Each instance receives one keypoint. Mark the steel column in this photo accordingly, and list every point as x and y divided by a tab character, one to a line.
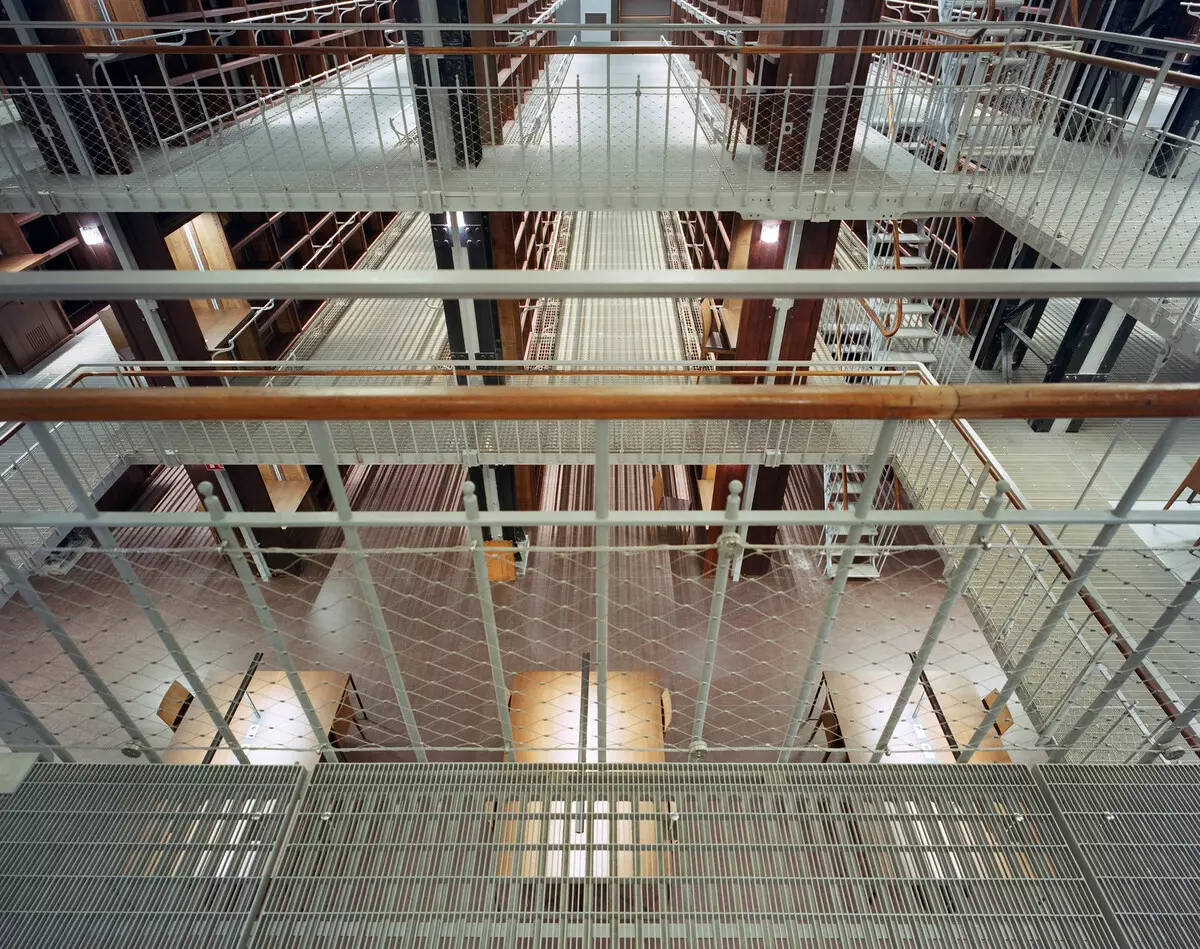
958	583
1153	635
603	579
862	508
488	613
1071	591
323	443
725	544
262	611
133	582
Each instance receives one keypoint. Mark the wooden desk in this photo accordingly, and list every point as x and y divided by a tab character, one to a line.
283	735
861	702
544	711
962	710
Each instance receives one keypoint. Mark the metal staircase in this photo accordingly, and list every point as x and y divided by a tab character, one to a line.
843	484
904	329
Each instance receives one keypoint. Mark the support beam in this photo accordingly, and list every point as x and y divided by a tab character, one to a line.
988	247
1089	349
758	336
986	348
808	134
141	237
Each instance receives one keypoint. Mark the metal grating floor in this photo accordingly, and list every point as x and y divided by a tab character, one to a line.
123	855
675	855
1139	831
627	331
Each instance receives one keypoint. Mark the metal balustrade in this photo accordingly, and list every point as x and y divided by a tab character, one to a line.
1078	618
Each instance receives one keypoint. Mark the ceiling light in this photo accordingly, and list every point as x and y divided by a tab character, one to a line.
92	235
770	232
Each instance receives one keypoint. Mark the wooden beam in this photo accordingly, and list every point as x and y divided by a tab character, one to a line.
568	403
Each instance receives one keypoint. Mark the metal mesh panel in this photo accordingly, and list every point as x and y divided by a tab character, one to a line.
1138	831
676	855
115	855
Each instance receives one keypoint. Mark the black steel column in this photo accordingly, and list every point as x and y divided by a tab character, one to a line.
471	229
455	74
1076	346
986	348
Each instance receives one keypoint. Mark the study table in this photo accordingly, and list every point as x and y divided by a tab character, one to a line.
282	734
544	708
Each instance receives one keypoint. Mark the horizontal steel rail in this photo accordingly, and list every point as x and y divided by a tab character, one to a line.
521	284
213	403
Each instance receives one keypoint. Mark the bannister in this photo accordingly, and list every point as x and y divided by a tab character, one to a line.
608	402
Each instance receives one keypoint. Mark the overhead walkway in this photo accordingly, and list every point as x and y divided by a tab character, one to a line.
624	331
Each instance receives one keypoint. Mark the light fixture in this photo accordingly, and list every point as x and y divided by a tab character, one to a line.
770	232
92	235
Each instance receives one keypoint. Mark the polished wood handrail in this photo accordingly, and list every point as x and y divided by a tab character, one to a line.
572	403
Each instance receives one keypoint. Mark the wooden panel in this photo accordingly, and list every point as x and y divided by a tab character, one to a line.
175	704
119	11
962	710
201	245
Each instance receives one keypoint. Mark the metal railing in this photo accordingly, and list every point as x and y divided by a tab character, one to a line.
384	567
991	572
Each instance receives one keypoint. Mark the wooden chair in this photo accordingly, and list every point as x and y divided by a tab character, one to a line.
175	704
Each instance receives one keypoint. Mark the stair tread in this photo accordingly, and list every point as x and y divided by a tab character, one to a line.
910	306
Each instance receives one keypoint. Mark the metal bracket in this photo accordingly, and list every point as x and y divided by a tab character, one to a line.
698	750
771	458
470	457
820	207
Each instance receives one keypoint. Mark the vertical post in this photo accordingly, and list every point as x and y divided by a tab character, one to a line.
1110	203
487	611
15	10
1158	741
602	585
266	620
14	702
132	581
962	575
725	545
323	443
1069	592
72	651
1135	658
862	509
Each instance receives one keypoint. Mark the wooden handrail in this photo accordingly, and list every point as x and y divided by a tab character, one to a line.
572	403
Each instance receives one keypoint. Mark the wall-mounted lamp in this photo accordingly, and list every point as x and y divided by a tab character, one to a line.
770	232
92	235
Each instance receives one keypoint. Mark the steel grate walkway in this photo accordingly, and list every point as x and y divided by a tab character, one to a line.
677	855
1139	830
115	856
699	855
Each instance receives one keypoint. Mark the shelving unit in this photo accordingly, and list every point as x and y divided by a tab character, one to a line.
30	330
294	240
